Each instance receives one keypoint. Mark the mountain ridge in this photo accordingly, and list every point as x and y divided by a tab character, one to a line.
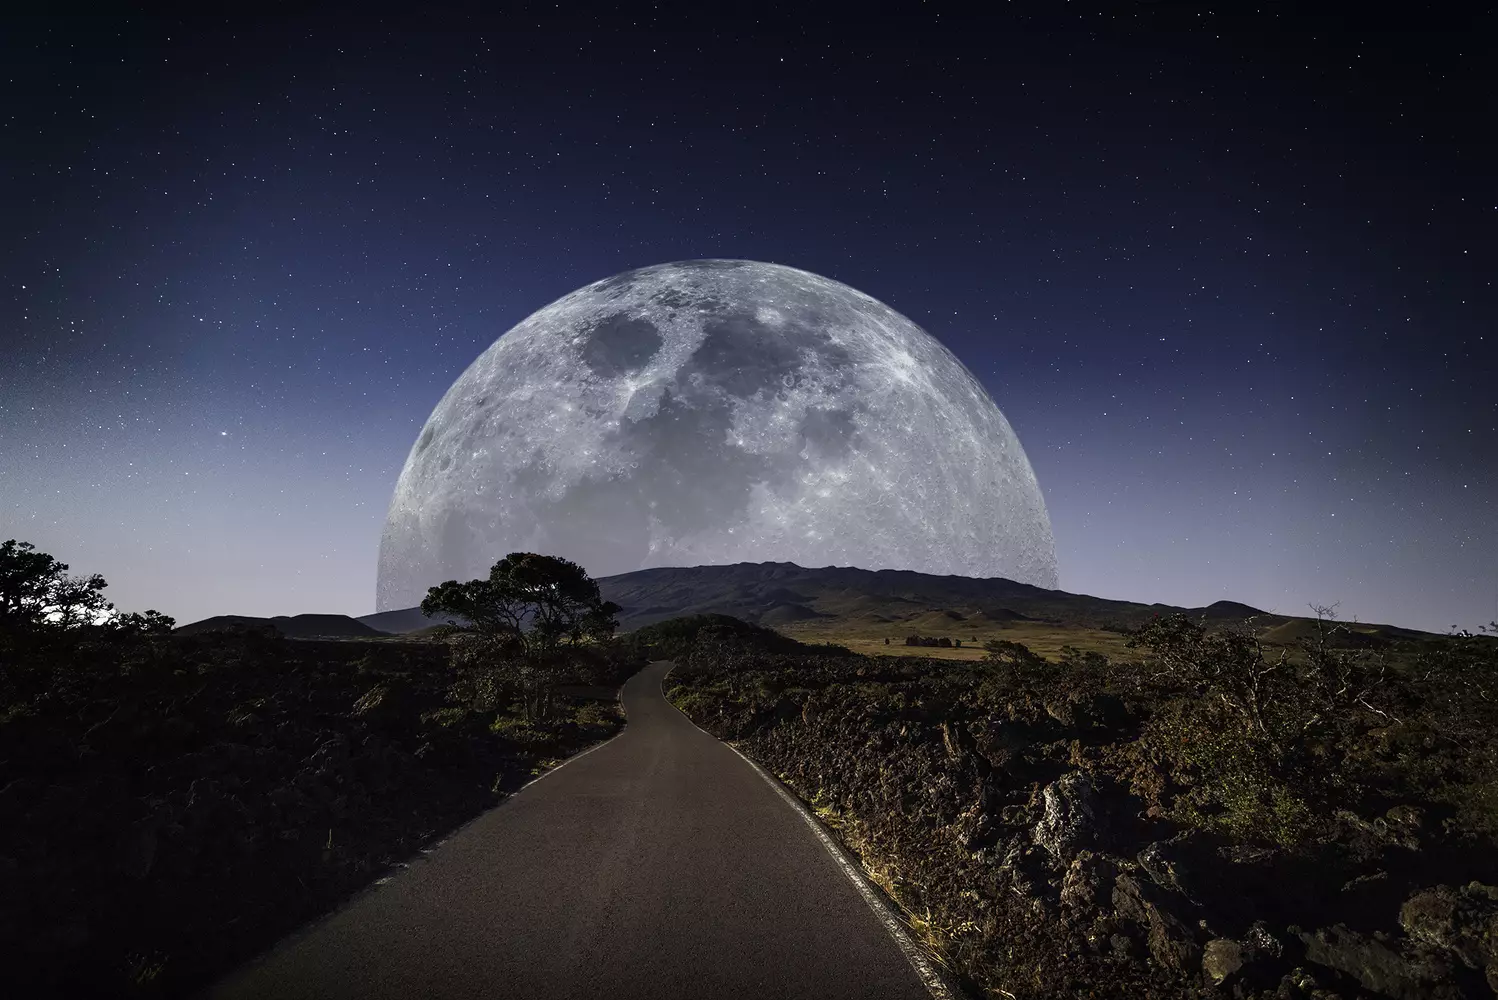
303	626
779	593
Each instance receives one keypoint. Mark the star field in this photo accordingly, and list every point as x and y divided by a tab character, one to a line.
1228	276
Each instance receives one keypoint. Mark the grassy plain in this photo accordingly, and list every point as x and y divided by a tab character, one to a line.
1044	638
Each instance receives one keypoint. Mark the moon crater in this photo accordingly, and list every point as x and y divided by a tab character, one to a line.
715	411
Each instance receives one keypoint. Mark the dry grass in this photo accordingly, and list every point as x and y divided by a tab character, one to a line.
1044	638
879	868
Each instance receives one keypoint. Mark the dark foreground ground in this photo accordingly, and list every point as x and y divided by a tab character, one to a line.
169	806
1207	820
659	865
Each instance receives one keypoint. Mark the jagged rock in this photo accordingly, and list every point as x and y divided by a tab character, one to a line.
973	828
1261	943
138	852
334	751
1245	854
1404	825
951	740
1367	840
1008	747
1375	965
1164	865
1108	711
15	795
73	933
1088	881
976	826
61	804
1221	958
1071	819
1065	711
248	721
373	701
1192	863
1170	940
1014	816
1298	983
1461	921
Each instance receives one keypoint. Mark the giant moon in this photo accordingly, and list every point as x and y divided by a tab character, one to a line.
715	411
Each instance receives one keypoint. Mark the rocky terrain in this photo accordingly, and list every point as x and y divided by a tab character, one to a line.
173	804
1213	820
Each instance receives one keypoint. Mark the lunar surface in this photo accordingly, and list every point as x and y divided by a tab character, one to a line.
715	411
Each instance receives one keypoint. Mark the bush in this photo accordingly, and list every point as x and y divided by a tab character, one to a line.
674	638
915	639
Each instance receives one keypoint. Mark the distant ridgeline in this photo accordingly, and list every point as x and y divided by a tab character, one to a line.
673	638
777	594
291	626
780	594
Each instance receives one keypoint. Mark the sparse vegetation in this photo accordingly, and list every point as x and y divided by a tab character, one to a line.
174	803
36	592
1211	815
1171	809
677	636
941	641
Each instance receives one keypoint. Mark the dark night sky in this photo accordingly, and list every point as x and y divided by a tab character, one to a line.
1230	278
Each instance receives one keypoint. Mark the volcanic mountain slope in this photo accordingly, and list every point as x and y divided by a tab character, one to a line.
291	626
399	622
752	591
784	594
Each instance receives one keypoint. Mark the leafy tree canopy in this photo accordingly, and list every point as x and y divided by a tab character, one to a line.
534	602
37	592
148	622
1012	654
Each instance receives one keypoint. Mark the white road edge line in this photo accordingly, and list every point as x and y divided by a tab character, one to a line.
618	699
925	969
306	930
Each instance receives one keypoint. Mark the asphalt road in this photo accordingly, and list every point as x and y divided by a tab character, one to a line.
659	865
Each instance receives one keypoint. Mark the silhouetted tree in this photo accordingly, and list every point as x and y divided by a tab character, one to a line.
531	605
37	592
916	639
35	589
542	602
149	622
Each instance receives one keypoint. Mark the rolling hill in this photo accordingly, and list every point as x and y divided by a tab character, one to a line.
291	626
753	590
398	622
829	599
